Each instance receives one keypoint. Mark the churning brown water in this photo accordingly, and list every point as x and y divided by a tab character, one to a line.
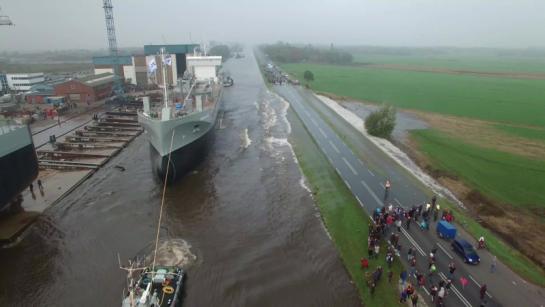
243	223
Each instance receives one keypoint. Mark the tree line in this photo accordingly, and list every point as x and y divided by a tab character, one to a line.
286	53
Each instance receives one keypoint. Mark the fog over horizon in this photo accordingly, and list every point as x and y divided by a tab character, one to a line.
79	24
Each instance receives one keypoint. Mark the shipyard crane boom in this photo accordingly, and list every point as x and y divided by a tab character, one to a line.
5	20
112	45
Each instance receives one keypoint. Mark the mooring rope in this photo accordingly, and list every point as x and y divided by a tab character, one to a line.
162	203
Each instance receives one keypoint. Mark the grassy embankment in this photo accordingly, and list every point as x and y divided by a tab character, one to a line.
500	176
345	220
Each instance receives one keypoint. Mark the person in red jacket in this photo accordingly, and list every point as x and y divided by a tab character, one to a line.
364	263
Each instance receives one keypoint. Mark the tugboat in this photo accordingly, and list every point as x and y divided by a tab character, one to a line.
158	287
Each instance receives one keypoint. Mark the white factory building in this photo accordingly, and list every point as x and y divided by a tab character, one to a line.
203	67
23	82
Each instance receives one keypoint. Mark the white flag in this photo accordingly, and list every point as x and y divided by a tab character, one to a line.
152	66
168	60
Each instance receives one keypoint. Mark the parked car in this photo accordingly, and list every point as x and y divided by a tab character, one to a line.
466	250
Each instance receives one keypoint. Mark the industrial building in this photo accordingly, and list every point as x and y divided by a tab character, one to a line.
23	82
177	55
87	89
3	84
144	70
132	68
40	92
203	68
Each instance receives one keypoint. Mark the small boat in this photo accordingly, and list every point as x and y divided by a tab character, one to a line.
161	287
228	82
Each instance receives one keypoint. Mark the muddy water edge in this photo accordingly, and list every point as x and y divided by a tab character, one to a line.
247	223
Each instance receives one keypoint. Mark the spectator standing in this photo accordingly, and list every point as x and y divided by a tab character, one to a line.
414	299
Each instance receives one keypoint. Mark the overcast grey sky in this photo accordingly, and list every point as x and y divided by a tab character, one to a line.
69	24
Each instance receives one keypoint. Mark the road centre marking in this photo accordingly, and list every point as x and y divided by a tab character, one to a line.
478	285
397	201
322	132
334	147
418	248
350	166
313	121
444	250
456	291
371	192
370	172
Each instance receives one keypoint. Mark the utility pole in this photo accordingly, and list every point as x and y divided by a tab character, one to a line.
112	45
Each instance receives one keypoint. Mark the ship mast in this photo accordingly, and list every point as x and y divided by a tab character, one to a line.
165	113
164	66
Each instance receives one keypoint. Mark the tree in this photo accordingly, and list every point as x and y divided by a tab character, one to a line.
222	50
308	76
381	122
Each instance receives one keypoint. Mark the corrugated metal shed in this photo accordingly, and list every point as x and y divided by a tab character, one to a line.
183	48
94	80
109	60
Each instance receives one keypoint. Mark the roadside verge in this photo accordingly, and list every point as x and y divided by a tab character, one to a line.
514	259
345	221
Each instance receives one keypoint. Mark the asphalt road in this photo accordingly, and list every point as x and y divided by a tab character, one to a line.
365	178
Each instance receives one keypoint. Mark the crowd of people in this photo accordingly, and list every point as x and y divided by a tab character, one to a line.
387	225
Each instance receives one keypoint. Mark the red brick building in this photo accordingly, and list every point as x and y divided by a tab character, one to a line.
88	89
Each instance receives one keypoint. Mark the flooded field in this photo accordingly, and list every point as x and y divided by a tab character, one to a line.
243	222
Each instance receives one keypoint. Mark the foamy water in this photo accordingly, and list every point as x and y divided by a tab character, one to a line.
274	110
245	140
173	252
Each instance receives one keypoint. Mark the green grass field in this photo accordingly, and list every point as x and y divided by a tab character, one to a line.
344	219
495	99
505	177
469	62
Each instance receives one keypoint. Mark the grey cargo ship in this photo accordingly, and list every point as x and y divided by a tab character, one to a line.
18	162
183	125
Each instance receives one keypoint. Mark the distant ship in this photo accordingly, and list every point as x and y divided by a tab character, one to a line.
18	162
184	124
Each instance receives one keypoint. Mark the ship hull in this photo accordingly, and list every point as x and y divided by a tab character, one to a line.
182	160
19	167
